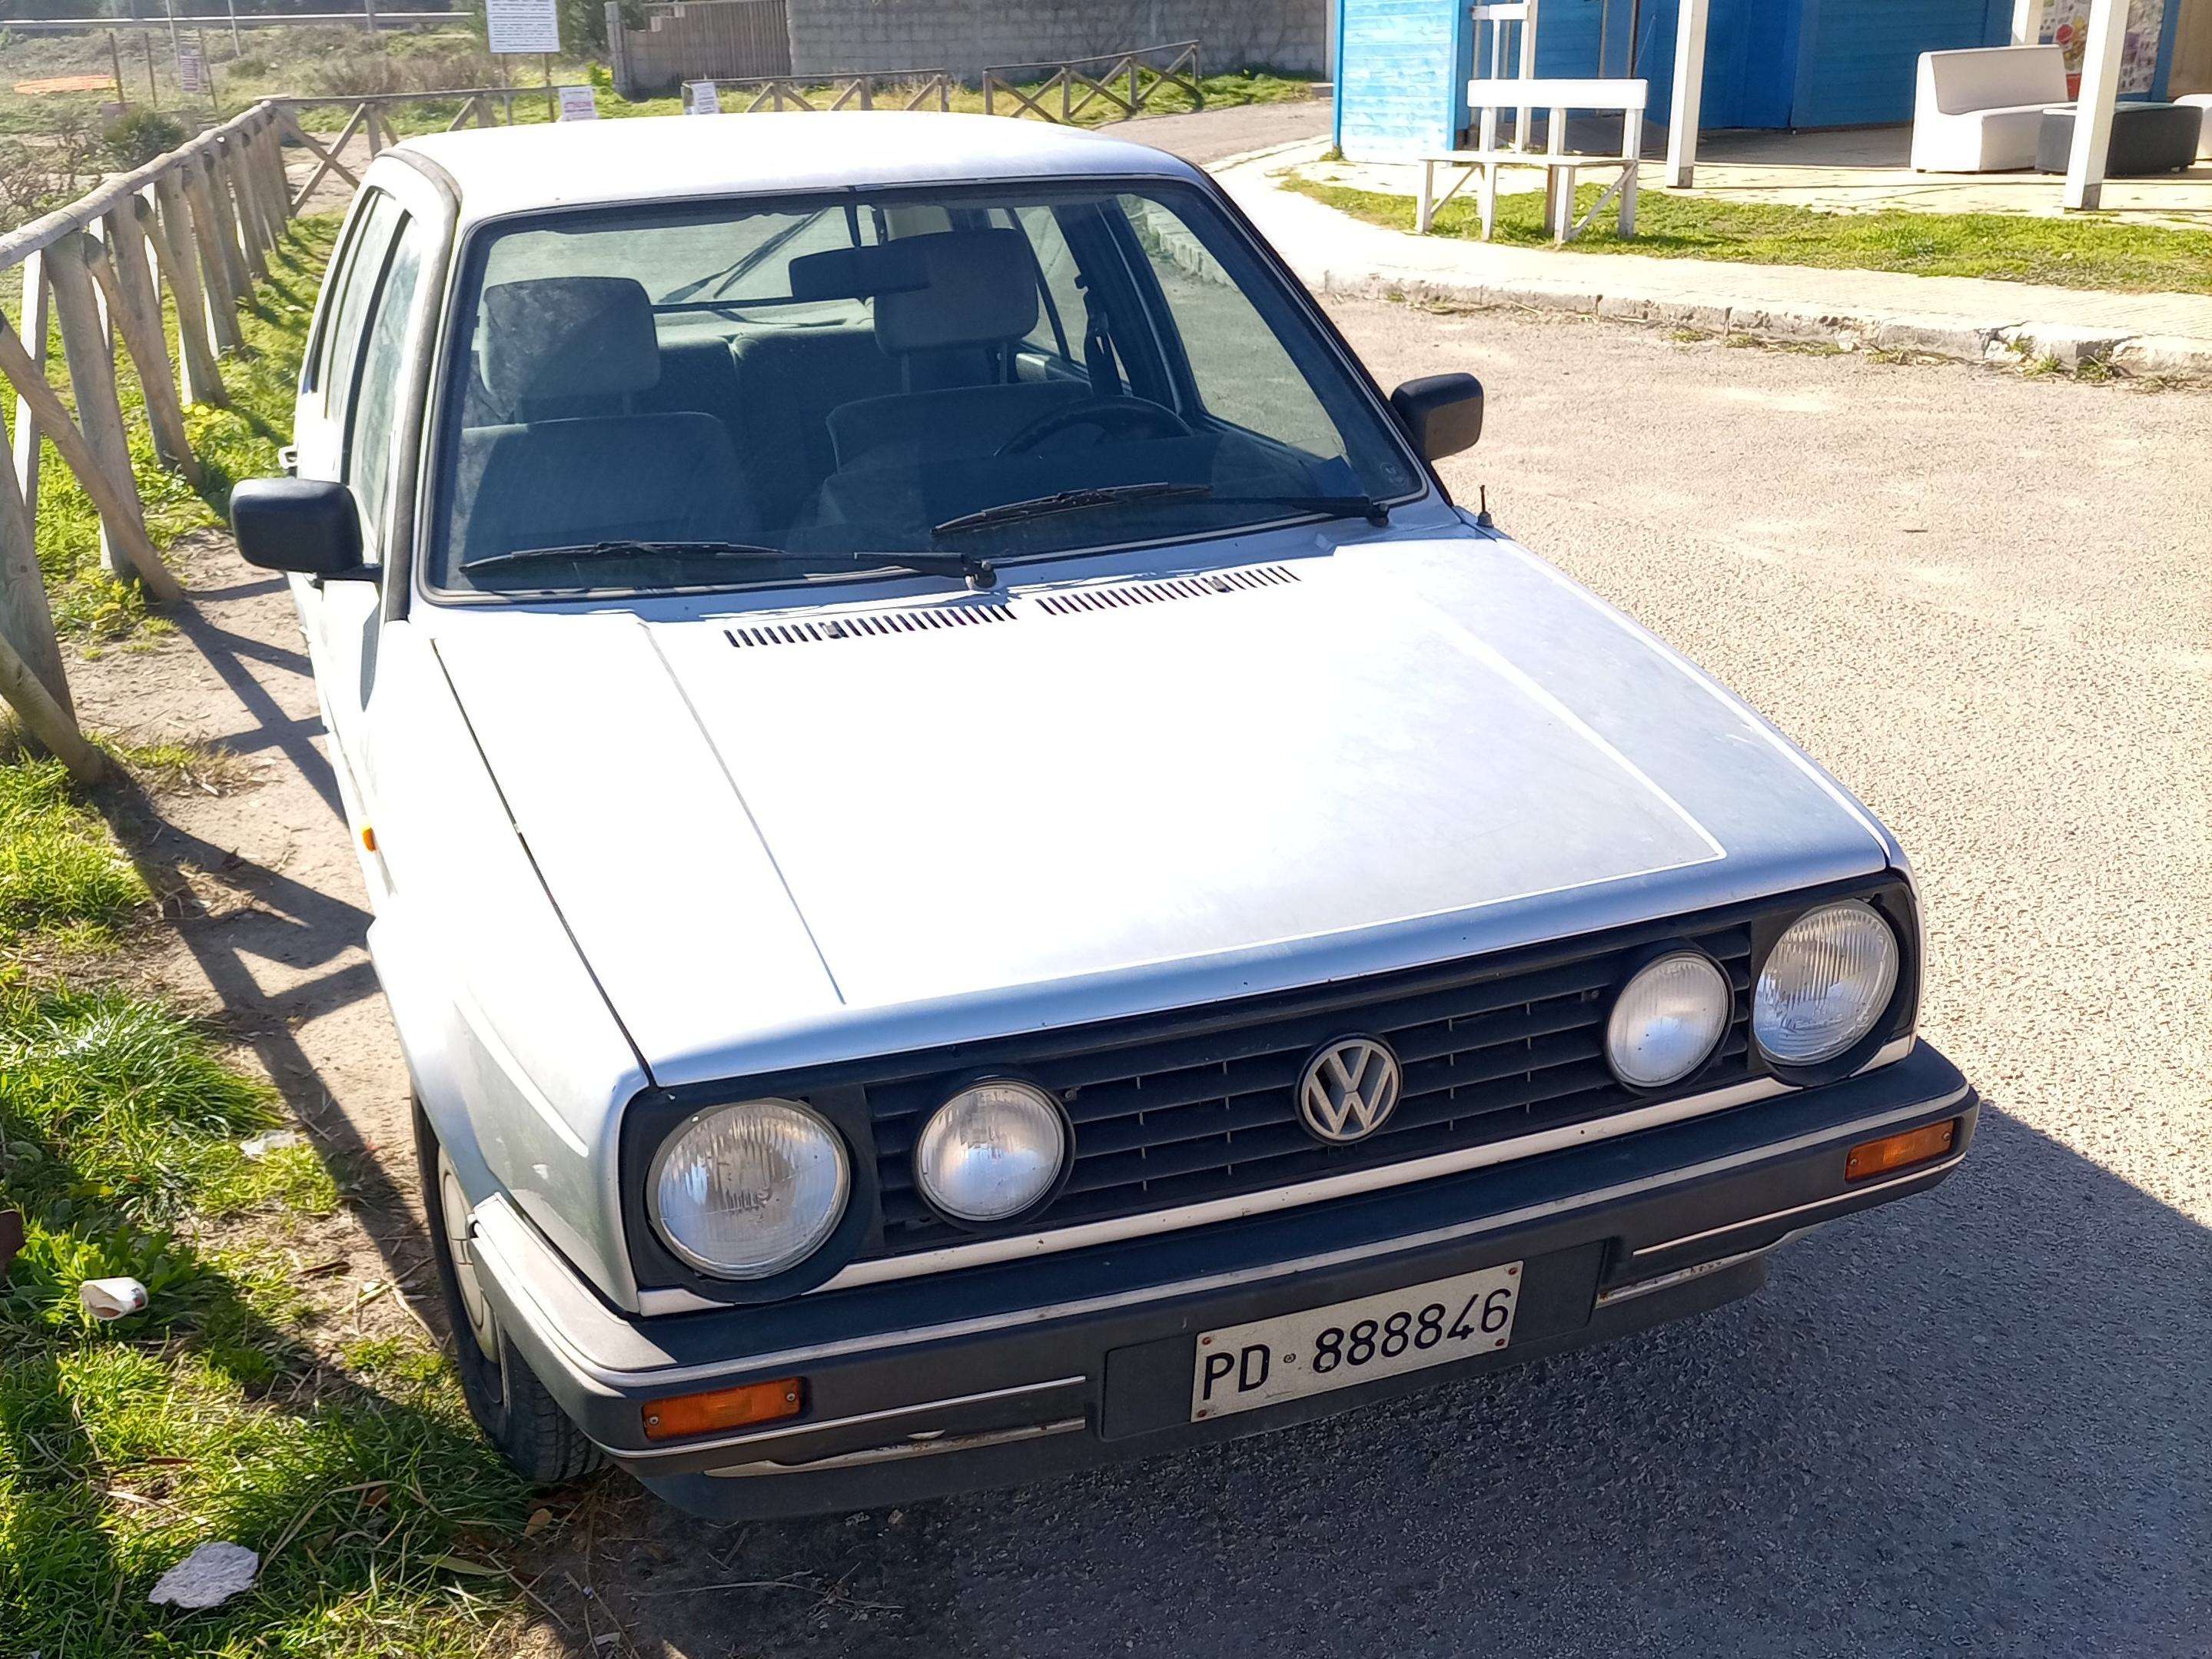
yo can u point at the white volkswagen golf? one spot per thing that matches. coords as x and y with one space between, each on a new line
978 870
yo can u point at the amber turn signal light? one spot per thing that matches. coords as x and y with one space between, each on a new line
368 836
723 1408
1874 1157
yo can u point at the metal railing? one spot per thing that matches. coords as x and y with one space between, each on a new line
859 89
198 224
1127 81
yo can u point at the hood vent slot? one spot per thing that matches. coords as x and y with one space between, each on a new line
866 625
1122 595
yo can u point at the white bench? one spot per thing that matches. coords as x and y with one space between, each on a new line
2201 101
1979 111
1484 98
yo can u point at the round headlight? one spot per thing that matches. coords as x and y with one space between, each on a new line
992 1151
744 1191
1824 984
1667 1020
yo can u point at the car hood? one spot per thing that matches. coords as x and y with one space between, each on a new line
783 837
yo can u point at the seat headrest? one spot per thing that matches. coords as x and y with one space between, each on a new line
568 336
979 287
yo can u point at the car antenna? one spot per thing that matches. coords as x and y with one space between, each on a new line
1482 499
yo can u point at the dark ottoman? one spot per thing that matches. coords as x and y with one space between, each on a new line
2146 138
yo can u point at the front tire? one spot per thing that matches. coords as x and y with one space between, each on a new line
539 1440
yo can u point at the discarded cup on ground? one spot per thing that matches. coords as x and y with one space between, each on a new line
112 1299
272 1140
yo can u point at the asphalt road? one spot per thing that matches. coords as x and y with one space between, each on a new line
1977 1421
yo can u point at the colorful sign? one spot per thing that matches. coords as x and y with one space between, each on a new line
577 104
2066 24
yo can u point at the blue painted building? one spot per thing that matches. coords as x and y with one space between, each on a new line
1402 65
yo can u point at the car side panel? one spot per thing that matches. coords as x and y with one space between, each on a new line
504 1027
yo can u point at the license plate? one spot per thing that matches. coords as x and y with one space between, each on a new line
1241 1367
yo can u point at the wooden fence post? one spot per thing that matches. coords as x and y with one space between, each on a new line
115 497
27 623
53 727
124 278
35 319
215 178
168 230
89 349
252 238
272 158
222 309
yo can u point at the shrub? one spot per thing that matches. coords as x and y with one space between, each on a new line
138 136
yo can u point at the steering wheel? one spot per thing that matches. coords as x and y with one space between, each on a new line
1137 416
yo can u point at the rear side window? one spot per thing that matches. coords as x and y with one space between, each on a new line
368 438
356 290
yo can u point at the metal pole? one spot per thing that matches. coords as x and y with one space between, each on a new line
153 88
173 42
206 68
237 46
2092 111
1689 93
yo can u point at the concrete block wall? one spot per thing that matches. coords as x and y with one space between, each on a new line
966 36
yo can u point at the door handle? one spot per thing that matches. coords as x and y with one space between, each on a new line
289 458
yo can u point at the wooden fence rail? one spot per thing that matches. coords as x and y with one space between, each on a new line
857 90
1126 80
198 224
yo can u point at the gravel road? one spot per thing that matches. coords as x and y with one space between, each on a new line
1974 1422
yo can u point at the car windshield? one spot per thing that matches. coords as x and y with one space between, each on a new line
729 394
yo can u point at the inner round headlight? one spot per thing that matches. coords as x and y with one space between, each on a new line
1667 1020
992 1151
1824 983
744 1191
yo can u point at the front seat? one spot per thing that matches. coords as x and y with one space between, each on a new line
972 297
566 358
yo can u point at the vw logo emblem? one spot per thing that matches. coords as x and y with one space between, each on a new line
1348 1090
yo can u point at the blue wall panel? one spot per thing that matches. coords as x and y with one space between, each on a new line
1399 83
1402 64
1862 56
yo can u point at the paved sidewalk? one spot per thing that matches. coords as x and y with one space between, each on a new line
1958 317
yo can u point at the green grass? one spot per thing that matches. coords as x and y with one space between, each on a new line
123 1447
239 442
215 1414
2070 252
62 878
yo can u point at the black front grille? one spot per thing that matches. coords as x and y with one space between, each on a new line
1188 1108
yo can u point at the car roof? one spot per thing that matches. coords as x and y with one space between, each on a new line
503 170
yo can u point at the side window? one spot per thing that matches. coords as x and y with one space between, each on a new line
1244 374
368 437
342 356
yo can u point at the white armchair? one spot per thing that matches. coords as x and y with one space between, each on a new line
1979 111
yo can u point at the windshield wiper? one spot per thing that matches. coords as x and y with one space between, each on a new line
1066 501
1075 500
978 573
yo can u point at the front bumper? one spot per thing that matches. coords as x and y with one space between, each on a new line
998 1375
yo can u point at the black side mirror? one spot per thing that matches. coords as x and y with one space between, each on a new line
1442 413
304 525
